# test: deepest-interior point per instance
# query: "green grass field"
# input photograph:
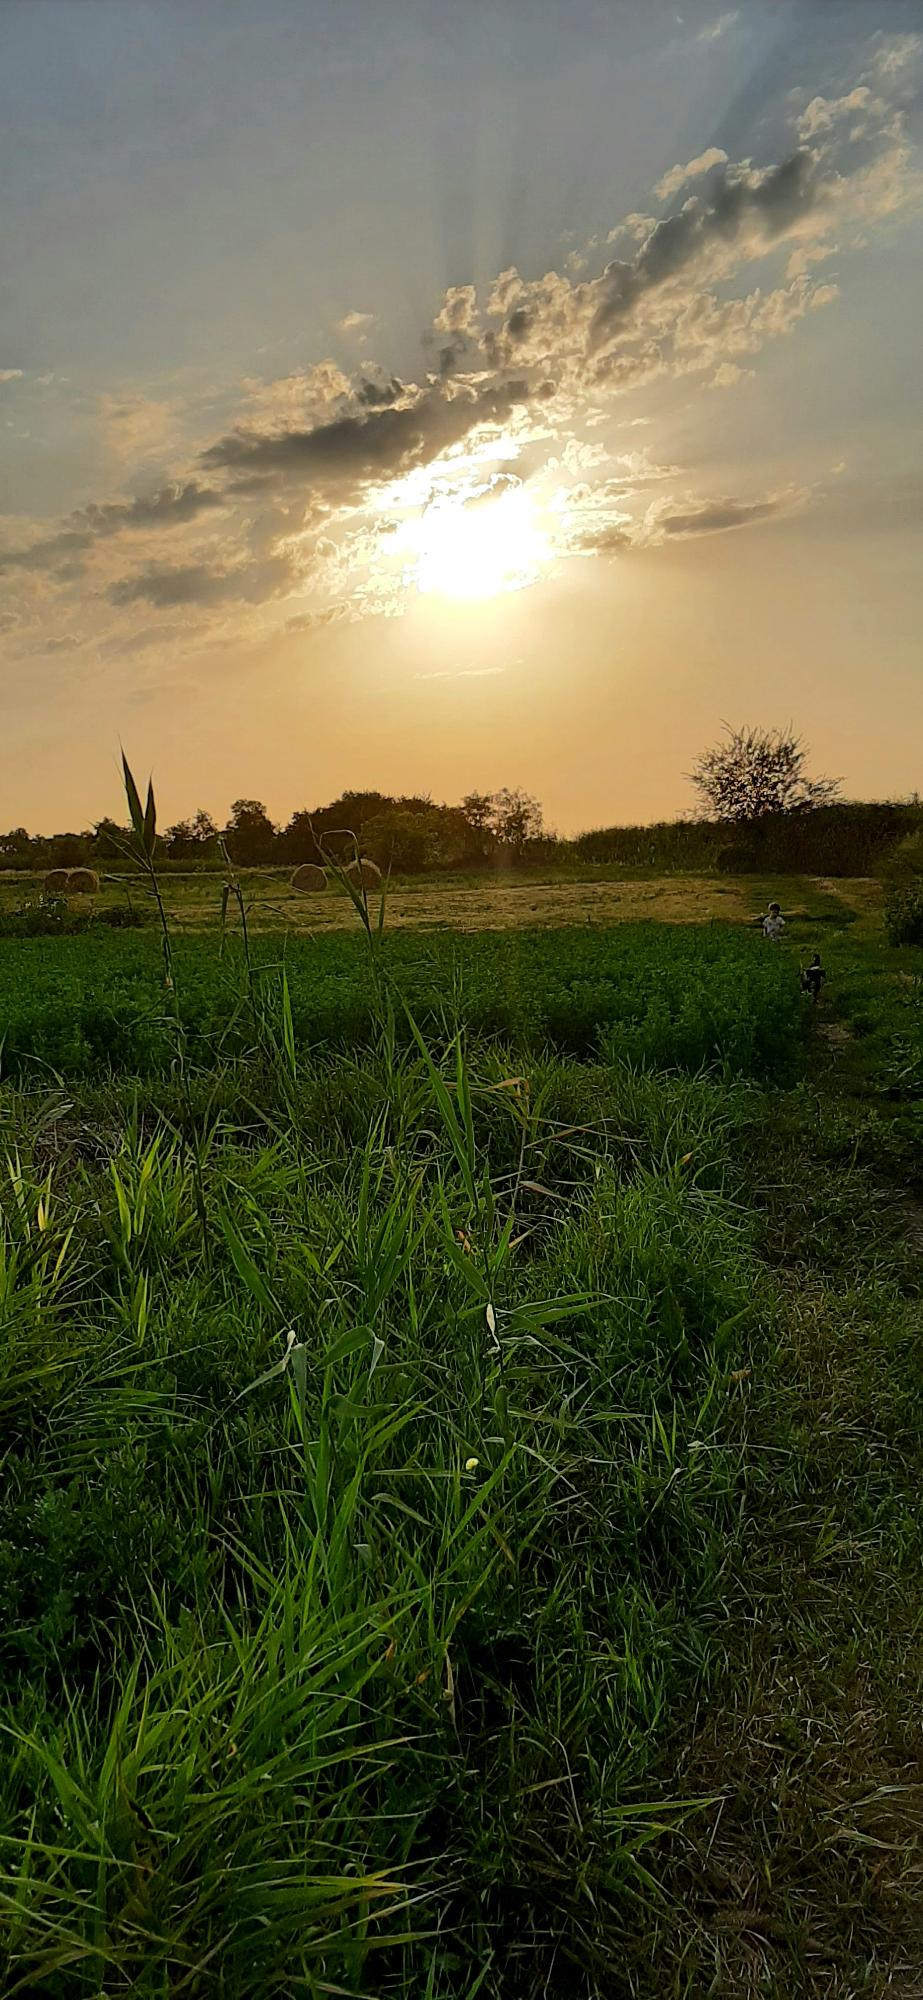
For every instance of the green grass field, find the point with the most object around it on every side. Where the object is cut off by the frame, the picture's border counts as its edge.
(460, 1403)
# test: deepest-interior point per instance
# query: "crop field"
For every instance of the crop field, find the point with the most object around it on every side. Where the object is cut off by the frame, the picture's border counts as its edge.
(586, 894)
(672, 997)
(460, 1413)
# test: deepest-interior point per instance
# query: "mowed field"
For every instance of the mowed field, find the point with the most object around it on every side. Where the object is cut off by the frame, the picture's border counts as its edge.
(591, 895)
(460, 1414)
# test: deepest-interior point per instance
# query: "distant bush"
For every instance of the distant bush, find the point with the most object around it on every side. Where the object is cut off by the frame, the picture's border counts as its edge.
(904, 914)
(737, 860)
(53, 917)
(836, 839)
(905, 861)
(668, 844)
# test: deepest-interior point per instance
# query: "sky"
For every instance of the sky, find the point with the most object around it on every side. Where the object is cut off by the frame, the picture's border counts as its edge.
(433, 397)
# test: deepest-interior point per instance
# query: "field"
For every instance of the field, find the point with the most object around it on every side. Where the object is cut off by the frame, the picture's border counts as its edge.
(578, 894)
(460, 1402)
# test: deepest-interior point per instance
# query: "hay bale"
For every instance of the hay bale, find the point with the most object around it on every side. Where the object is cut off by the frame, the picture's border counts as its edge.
(308, 878)
(364, 874)
(55, 883)
(82, 882)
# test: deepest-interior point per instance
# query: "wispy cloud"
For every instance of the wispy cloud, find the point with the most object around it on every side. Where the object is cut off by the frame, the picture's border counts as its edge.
(356, 322)
(713, 30)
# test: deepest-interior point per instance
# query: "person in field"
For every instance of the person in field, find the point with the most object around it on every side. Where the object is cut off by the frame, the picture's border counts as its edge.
(813, 977)
(774, 922)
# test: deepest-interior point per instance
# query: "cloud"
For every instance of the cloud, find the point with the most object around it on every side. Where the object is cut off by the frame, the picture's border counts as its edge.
(824, 112)
(354, 451)
(10, 374)
(355, 322)
(202, 584)
(728, 374)
(324, 615)
(54, 553)
(141, 641)
(304, 394)
(139, 427)
(611, 538)
(459, 310)
(713, 30)
(714, 156)
(375, 390)
(745, 211)
(713, 517)
(173, 506)
(68, 642)
(896, 54)
(600, 528)
(520, 375)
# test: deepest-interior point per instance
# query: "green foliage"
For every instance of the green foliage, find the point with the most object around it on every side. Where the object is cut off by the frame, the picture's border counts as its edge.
(904, 914)
(276, 1589)
(53, 917)
(680, 997)
(377, 1476)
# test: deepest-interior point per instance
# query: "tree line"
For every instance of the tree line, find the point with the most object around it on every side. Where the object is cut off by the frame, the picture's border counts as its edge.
(760, 810)
(409, 834)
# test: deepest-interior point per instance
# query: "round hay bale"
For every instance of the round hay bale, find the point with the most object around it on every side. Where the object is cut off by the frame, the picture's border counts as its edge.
(82, 882)
(308, 878)
(364, 874)
(55, 883)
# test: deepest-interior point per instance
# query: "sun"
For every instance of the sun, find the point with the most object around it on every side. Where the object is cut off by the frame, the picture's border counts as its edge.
(471, 549)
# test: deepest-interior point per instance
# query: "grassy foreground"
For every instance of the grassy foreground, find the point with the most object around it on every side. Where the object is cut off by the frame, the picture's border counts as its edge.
(461, 1511)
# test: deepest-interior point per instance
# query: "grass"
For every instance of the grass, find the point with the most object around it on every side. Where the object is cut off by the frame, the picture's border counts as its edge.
(460, 1526)
(601, 894)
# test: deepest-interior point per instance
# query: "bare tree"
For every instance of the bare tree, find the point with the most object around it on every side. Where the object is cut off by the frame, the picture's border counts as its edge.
(755, 772)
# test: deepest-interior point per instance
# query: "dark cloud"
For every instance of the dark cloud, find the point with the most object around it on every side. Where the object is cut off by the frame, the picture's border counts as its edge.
(313, 621)
(56, 552)
(740, 205)
(714, 515)
(202, 584)
(377, 394)
(173, 506)
(608, 540)
(356, 450)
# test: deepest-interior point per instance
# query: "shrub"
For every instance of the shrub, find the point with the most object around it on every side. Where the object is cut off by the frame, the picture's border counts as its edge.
(737, 860)
(904, 914)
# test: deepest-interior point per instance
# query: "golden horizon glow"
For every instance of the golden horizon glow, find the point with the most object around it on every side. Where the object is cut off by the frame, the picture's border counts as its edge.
(468, 550)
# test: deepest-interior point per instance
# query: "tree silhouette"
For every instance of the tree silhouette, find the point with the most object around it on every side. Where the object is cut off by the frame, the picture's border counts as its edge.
(757, 772)
(250, 833)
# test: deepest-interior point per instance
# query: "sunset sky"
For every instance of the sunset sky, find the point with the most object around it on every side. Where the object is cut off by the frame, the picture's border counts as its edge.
(432, 396)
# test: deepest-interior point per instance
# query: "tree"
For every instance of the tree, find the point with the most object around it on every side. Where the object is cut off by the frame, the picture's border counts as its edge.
(476, 811)
(109, 840)
(250, 833)
(15, 846)
(757, 772)
(410, 838)
(204, 832)
(516, 817)
(180, 840)
(298, 841)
